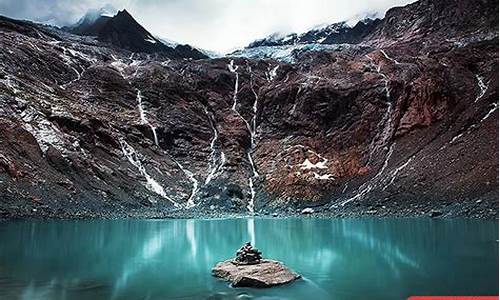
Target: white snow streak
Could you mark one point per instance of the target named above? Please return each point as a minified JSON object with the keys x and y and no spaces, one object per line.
{"x":368,"y":186}
{"x":44,"y":131}
{"x":150,"y":39}
{"x":395,"y":173}
{"x":483,"y":88}
{"x":8,"y":82}
{"x":324,"y":177}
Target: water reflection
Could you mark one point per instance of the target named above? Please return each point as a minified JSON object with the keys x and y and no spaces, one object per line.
{"x":251,"y":230}
{"x":171,"y":259}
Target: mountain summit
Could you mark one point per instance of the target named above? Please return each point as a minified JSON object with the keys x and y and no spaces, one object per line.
{"x":123,"y":31}
{"x":336,"y":33}
{"x":92,"y":22}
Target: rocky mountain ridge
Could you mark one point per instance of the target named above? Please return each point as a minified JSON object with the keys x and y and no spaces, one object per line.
{"x":123,"y":31}
{"x":405,"y":123}
{"x":336,"y":33}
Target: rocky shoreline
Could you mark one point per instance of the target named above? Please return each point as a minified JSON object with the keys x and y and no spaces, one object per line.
{"x":477,"y":209}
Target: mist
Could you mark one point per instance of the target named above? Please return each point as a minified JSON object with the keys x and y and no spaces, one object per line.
{"x":218,"y":25}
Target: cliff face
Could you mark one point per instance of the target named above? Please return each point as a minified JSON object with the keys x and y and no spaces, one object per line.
{"x":404,"y":124}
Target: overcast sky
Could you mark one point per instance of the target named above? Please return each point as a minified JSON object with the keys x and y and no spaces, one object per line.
{"x":219,"y":25}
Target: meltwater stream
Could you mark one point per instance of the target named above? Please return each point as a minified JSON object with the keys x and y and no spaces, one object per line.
{"x":171,"y":259}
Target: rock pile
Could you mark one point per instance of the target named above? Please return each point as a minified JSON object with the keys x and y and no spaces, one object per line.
{"x":248,"y":269}
{"x":248,"y":255}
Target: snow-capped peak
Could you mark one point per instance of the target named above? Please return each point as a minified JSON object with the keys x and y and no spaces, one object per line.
{"x":92,"y":15}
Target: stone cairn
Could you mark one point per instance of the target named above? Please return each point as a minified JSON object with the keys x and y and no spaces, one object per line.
{"x":248,"y":255}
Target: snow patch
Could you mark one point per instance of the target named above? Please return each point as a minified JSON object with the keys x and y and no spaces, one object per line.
{"x":308,"y":165}
{"x":150,"y":39}
{"x":44,"y":131}
{"x":324,"y":177}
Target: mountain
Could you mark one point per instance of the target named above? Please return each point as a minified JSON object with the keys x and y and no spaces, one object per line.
{"x":174,"y":44}
{"x":93,"y":21}
{"x":336,"y":33}
{"x":401,"y":23}
{"x":123,"y":31}
{"x":333,"y":37}
{"x":402,"y":123}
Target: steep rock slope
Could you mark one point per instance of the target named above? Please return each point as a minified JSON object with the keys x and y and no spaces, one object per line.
{"x":406,"y":124}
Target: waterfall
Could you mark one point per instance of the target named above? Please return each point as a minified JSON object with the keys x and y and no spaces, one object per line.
{"x":389,"y":58}
{"x":118,"y":65}
{"x":151,"y":184}
{"x":216,"y":163}
{"x":253,"y":129}
{"x":142,"y":116}
{"x":271,"y":73}
{"x":190,"y":203}
{"x":233,"y":69}
{"x":494,"y":107}
{"x":482,"y":88}
{"x":386,"y":119}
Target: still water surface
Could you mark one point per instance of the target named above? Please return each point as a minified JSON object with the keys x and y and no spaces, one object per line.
{"x":171,"y":259}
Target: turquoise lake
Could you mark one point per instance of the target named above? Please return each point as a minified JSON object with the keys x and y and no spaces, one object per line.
{"x":171,"y":259}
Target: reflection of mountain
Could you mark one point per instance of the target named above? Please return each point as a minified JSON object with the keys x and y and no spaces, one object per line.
{"x":173,"y":258}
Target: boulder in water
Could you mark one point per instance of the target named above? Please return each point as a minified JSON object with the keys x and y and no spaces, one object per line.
{"x":266,"y":273}
{"x":248,"y":269}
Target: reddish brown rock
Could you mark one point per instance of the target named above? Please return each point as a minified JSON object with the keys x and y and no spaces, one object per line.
{"x":408,"y":121}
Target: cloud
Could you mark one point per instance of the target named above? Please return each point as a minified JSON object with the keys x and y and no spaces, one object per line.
{"x":219,"y":25}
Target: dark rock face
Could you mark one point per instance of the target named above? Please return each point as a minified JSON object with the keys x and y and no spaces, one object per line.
{"x":90,"y":26}
{"x":123,"y":31}
{"x":405,"y":125}
{"x":266,"y":274}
